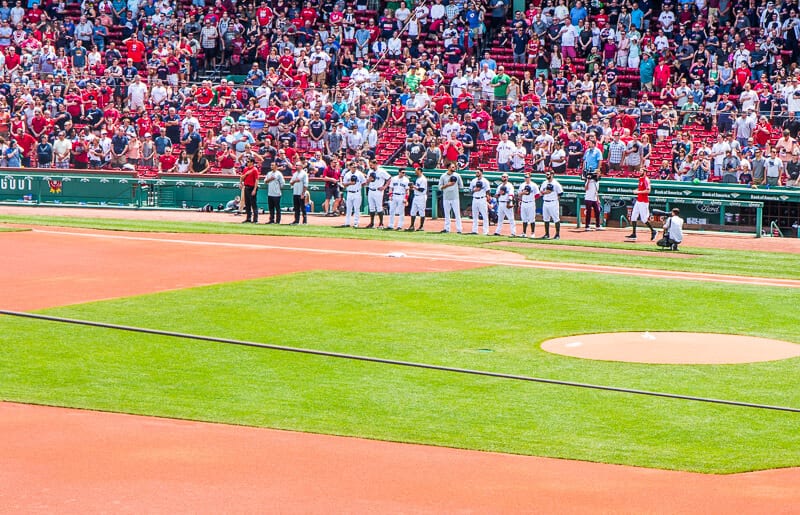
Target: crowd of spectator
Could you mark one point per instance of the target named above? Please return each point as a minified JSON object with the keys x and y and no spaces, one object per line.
{"x":144,"y":84}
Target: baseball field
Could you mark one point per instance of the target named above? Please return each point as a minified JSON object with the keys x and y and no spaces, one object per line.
{"x":442,"y":303}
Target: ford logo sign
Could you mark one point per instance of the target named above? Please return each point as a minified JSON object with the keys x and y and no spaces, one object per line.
{"x":709,"y":210}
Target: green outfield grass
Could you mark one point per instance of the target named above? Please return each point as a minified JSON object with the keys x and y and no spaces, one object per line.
{"x":489,"y":319}
{"x":750,"y":263}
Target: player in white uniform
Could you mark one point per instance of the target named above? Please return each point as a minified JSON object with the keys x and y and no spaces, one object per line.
{"x":398,"y":189}
{"x":551,"y":191}
{"x":504,"y":193}
{"x":480,"y":207}
{"x":450,"y":185}
{"x":377,"y":182}
{"x":528,"y":193}
{"x":420,"y":200}
{"x":352,"y":182}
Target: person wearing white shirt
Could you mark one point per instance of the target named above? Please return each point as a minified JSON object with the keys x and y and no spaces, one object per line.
{"x":158,"y":95}
{"x":528,"y":193}
{"x":398,"y":189}
{"x":485,"y":78}
{"x":748,"y":98}
{"x":480,"y":207}
{"x":319,"y":65}
{"x":394,"y":46}
{"x":666,"y":21}
{"x":352,"y":182}
{"x":718,"y":151}
{"x":420,"y":201}
{"x":661,"y":42}
{"x":505,"y":149}
{"x":262,"y":95}
{"x":458,"y":84}
{"x":673,"y":230}
{"x":450,"y":185}
{"x":450,"y":127}
{"x":359,"y":74}
{"x":504,"y":193}
{"x":274,"y":182}
{"x":137,"y":94}
{"x":551,"y":192}
{"x":299,"y":184}
{"x":518,"y":157}
{"x":773,"y":168}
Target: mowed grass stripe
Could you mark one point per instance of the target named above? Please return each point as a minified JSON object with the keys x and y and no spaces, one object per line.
{"x":444,"y":319}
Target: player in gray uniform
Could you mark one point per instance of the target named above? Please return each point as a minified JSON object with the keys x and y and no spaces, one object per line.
{"x":450,"y":185}
{"x":274,"y":182}
{"x":420,"y":200}
{"x":504,"y":193}
{"x":480,"y":207}
{"x":398,"y":189}
{"x":352,"y":182}
{"x":528,"y":193}
{"x":377,"y":182}
{"x":551,"y":191}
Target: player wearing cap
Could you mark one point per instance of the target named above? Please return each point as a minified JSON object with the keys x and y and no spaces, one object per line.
{"x":551,"y":192}
{"x":398,"y":191}
{"x":641,"y":208}
{"x":377,"y":182}
{"x":528,"y":193}
{"x":480,"y":207}
{"x":420,"y":200}
{"x":352,"y":182}
{"x":504,"y":193}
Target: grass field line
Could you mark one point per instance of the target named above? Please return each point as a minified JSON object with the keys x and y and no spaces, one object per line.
{"x":387,"y":361}
{"x":496,"y":260}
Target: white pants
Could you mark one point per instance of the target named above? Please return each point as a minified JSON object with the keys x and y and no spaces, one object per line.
{"x":353,"y":205}
{"x":641,"y":212}
{"x":452,"y":205}
{"x":397,"y":209}
{"x":480,"y":208}
{"x":505,"y":212}
{"x":550,"y":211}
{"x":418,"y":205}
{"x":375,"y":201}
{"x":527,"y":211}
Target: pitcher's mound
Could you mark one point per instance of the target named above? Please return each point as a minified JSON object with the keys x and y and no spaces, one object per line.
{"x":673,"y":348}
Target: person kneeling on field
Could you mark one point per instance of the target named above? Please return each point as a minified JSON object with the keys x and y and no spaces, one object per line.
{"x":673,"y":231}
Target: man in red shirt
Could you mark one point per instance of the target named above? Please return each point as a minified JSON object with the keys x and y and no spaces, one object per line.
{"x":641,"y":208}
{"x":250,"y":183}
{"x":136,"y":51}
{"x":264,"y":15}
{"x":26,"y":144}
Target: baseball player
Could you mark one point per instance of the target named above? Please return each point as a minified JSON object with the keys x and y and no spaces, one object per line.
{"x":352,"y":182}
{"x":377,"y":182}
{"x":420,"y":200}
{"x":551,"y":191}
{"x":398,"y":190}
{"x":505,"y":205}
{"x":450,"y":184}
{"x":480,"y":208}
{"x":641,"y":208}
{"x":528,"y":193}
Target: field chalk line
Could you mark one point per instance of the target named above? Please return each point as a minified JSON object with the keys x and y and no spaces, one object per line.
{"x":384,"y":361}
{"x":487,"y":261}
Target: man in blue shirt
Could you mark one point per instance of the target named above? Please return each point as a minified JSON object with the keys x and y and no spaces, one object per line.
{"x":119,"y":149}
{"x":578,"y":13}
{"x":591,"y":158}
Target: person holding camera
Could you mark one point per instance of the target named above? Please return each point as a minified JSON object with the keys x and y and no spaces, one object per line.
{"x":591,"y":200}
{"x":551,"y":209}
{"x":673,"y":231}
{"x":505,"y":206}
